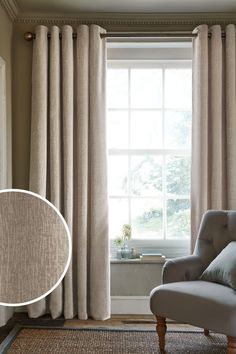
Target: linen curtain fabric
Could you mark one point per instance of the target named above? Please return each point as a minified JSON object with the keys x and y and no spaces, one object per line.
{"x":5,"y":314}
{"x":214,"y":122}
{"x":68,"y":161}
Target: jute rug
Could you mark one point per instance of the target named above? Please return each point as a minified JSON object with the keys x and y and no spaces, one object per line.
{"x":94,"y":341}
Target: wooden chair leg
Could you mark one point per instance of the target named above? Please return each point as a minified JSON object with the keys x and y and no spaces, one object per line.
{"x":206,"y":332}
{"x":161,"y":331}
{"x":231,"y":348}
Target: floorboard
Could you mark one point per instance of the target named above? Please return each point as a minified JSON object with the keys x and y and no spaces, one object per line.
{"x":140,"y":322}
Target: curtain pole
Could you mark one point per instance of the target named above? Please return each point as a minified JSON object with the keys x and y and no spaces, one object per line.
{"x":29,"y":36}
{"x":171,"y":34}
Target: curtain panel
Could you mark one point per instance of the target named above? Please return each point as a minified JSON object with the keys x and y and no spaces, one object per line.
{"x":214,"y":123}
{"x":68,"y":163}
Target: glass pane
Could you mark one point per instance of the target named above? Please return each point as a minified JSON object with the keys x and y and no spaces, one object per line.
{"x":178,"y":89}
{"x":147,"y":217}
{"x":146,"y":88}
{"x":178,"y":175}
{"x":146,"y":176}
{"x":118,"y":215}
{"x":118,"y":175}
{"x":117,"y":88}
{"x":146,"y":130}
{"x":178,"y":126}
{"x":178,"y":218}
{"x":117,"y":130}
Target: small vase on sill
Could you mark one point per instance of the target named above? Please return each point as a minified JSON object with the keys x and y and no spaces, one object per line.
{"x":123,"y":252}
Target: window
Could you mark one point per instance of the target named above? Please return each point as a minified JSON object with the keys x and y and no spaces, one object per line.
{"x":149,"y":142}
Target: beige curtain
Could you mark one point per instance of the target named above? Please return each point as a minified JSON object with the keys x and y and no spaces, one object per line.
{"x":214,"y":122}
{"x":68,"y":161}
{"x":5,"y":314}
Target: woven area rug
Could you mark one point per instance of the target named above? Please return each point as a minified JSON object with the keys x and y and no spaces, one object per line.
{"x":86,"y":341}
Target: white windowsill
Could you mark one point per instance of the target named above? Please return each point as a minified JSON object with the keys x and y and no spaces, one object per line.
{"x":169,"y":248}
{"x":136,"y":261}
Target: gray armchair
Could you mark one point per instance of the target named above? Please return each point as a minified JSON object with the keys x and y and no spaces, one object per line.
{"x":184,"y":298}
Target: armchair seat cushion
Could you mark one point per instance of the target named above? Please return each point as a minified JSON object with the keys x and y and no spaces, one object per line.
{"x":203,"y":304}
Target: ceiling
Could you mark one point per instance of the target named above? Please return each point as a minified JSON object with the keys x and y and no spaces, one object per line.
{"x":170,"y":6}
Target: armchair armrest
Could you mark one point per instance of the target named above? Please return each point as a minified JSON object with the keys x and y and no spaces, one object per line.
{"x":182,"y":269}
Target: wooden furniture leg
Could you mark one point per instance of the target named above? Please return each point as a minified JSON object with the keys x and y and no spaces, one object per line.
{"x":231,"y":348}
{"x":206,"y":332}
{"x":161,"y":331}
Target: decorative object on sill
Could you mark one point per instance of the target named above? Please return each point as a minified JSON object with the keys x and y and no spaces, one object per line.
{"x":123,"y":252}
{"x":126,"y":253}
{"x":121,"y":242}
{"x":152,"y":257}
{"x":135,"y":254}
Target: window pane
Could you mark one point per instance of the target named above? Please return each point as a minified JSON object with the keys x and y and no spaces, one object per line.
{"x":178,"y":218}
{"x":147,"y":216}
{"x":117,"y":130}
{"x":178,"y":175}
{"x":118,"y":175}
{"x":146,"y":176}
{"x":146,"y":88}
{"x":142,"y":119}
{"x":118,"y":215}
{"x":178,"y":88}
{"x":117,"y":88}
{"x":146,"y":130}
{"x":178,"y":129}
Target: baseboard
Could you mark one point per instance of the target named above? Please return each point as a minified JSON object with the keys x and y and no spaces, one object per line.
{"x":130,"y":305}
{"x":121,"y":305}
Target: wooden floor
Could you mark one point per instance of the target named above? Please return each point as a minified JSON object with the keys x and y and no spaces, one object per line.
{"x":141,"y":322}
{"x":115,"y":321}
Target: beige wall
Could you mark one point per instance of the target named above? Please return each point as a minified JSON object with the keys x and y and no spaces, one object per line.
{"x":134,"y":279}
{"x":22,"y":56}
{"x":5,"y":53}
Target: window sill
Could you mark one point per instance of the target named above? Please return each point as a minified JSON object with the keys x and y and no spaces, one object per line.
{"x":169,"y":248}
{"x":136,"y":261}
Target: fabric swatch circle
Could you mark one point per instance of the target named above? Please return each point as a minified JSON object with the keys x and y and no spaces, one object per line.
{"x":35,"y":247}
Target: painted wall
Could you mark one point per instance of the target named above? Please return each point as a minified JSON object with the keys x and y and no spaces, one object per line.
{"x":6,"y":29}
{"x":22,"y":57}
{"x":134,"y":279}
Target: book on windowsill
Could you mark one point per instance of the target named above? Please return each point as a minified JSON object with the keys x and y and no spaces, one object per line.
{"x":152,"y":257}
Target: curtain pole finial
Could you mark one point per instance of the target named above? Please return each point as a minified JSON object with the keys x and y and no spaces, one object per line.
{"x":28,"y":36}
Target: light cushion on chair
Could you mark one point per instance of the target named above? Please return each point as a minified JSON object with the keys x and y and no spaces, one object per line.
{"x":200,"y":303}
{"x":223,"y":268}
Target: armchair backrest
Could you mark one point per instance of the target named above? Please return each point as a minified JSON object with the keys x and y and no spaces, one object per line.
{"x":217,"y":229}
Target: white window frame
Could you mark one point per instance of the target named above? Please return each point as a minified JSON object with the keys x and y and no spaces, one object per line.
{"x":169,"y":247}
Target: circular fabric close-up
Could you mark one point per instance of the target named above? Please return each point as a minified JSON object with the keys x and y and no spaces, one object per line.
{"x":35,"y":247}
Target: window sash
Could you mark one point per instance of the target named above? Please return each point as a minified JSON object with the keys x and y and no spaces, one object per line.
{"x":150,"y":64}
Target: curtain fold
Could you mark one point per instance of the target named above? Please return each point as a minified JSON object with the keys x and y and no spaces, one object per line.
{"x":214,"y":123}
{"x":68,"y":162}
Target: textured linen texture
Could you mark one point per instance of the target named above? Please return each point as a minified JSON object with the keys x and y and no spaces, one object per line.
{"x":214,"y":124}
{"x":34,"y":247}
{"x":68,"y":162}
